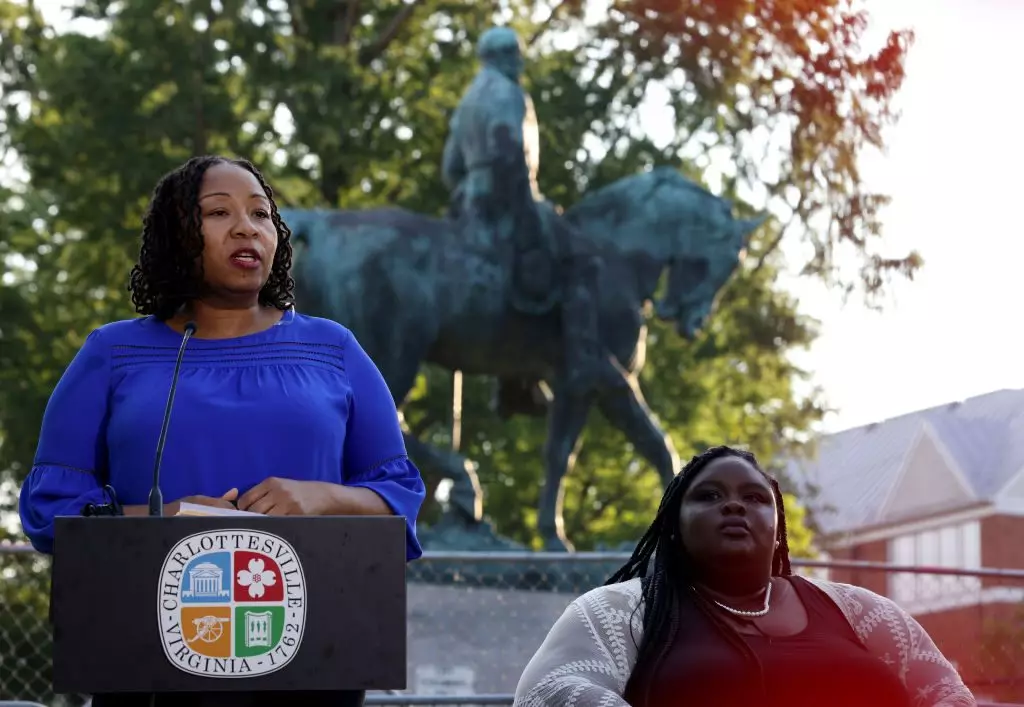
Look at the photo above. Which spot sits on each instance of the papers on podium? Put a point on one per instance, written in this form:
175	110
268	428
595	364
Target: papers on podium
196	509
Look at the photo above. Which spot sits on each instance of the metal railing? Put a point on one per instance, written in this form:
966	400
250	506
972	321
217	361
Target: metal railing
410	700
475	619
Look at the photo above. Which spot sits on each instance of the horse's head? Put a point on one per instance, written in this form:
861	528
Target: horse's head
696	277
660	219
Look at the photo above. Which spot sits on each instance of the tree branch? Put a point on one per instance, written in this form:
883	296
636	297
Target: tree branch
344	34
387	36
199	136
774	244
299	28
556	13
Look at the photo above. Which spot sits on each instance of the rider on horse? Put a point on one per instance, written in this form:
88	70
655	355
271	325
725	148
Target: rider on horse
490	163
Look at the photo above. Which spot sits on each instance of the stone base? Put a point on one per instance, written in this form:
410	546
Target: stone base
465	640
564	576
454	534
473	625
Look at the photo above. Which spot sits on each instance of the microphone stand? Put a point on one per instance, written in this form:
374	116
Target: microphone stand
156	498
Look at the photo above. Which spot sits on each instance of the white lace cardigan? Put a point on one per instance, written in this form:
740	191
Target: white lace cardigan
589	653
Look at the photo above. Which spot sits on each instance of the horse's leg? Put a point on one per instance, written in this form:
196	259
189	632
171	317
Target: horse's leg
465	498
626	409
400	368
566	418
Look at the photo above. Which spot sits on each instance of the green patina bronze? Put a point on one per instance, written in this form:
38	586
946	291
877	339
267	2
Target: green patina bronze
507	286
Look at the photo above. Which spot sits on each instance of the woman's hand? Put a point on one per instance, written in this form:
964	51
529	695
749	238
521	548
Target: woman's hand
171	509
225	501
287	497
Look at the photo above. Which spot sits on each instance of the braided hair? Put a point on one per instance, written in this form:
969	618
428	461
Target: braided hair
664	587
165	277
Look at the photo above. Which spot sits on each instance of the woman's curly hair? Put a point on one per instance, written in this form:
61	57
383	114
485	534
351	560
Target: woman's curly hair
165	277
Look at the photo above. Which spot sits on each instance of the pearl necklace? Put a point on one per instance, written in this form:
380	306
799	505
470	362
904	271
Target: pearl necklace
750	614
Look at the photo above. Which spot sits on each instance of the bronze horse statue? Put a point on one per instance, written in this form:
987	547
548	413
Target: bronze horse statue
416	289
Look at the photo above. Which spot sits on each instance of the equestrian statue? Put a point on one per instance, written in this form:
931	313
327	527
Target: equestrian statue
508	286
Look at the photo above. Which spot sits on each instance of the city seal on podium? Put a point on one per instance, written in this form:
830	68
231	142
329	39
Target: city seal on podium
232	604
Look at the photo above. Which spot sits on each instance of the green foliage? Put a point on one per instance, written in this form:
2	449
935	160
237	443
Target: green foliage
346	104
24	627
780	94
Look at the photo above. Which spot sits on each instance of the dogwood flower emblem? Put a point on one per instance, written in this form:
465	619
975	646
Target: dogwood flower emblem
257	578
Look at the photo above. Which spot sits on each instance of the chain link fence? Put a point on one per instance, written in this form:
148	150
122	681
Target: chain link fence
475	619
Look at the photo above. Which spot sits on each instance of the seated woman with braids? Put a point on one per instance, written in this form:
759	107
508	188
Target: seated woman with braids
720	620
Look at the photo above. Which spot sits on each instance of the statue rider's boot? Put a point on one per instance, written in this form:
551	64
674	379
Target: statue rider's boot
589	365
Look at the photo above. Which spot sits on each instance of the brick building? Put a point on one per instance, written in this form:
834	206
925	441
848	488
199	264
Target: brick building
942	487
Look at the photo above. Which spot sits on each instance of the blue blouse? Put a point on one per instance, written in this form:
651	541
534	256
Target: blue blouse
301	400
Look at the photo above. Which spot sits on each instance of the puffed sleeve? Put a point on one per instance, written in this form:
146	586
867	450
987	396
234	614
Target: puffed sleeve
374	456
72	453
588	655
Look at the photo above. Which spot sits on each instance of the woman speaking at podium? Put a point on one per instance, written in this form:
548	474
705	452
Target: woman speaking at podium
274	412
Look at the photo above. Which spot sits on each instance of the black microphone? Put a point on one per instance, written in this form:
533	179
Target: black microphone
156	498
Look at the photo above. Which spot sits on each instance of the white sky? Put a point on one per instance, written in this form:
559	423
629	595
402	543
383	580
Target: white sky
954	172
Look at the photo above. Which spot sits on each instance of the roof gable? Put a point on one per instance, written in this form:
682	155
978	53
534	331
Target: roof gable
1014	490
852	479
929	481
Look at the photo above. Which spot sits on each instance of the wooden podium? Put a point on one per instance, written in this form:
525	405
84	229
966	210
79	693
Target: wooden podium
228	604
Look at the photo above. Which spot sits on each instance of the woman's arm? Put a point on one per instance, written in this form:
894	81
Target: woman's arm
378	476
353	501
893	635
71	456
587	657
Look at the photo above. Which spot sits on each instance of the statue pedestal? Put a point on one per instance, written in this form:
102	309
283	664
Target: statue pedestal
453	533
475	556
474	640
476	618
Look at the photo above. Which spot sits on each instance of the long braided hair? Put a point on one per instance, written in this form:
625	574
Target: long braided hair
668	581
165	276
